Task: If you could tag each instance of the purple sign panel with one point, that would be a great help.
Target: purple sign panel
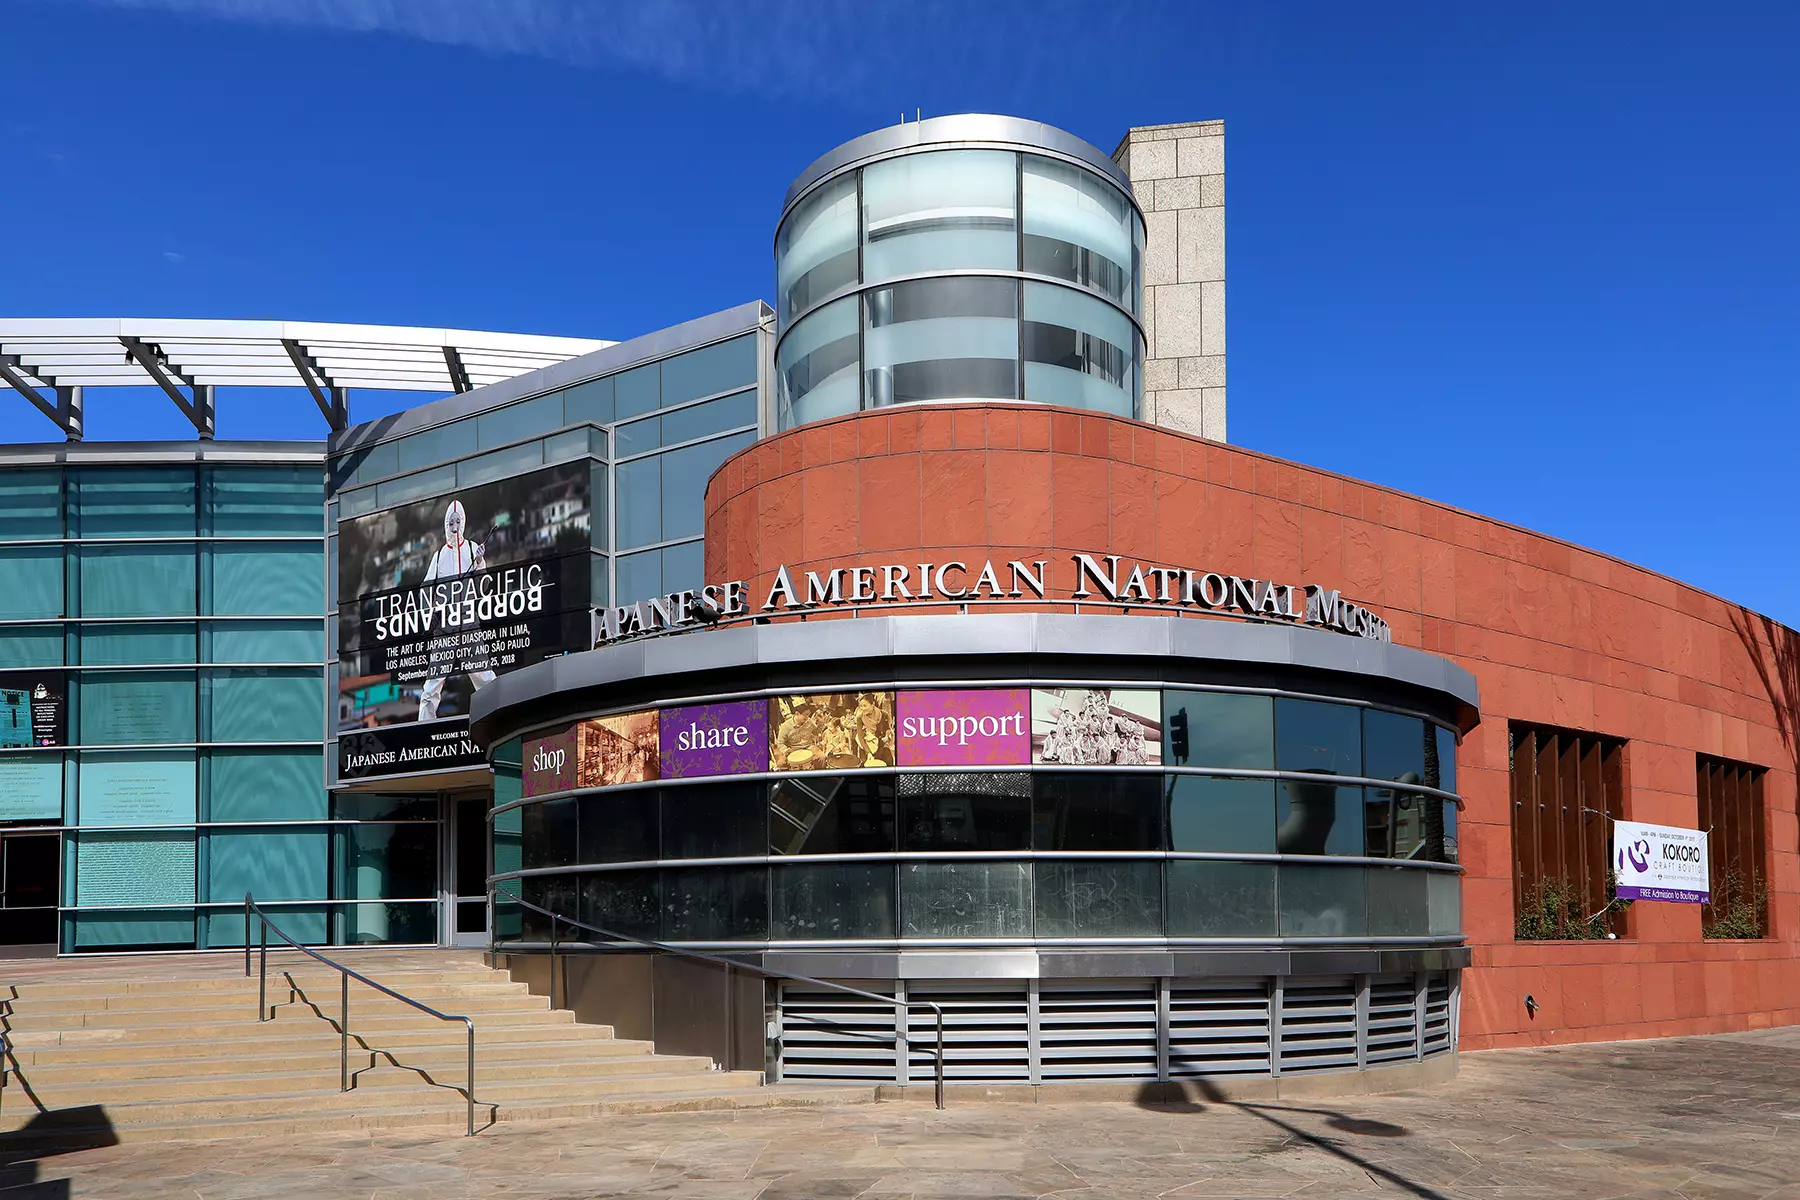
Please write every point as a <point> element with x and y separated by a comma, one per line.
<point>978,727</point>
<point>550,763</point>
<point>715,739</point>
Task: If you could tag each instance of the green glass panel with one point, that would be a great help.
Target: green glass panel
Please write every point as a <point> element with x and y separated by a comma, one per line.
<point>271,705</point>
<point>591,401</point>
<point>31,787</point>
<point>267,641</point>
<point>638,390</point>
<point>709,370</point>
<point>385,862</point>
<point>31,579</point>
<point>137,581</point>
<point>273,864</point>
<point>265,785</point>
<point>272,579</point>
<point>1219,729</point>
<point>132,708</point>
<point>144,787</point>
<point>30,505</point>
<point>27,646</point>
<point>1209,898</point>
<point>130,645</point>
<point>308,924</point>
<point>266,500</point>
<point>135,931</point>
<point>149,867</point>
<point>133,502</point>
<point>528,418</point>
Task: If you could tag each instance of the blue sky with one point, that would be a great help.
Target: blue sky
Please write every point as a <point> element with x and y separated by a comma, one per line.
<point>1541,261</point>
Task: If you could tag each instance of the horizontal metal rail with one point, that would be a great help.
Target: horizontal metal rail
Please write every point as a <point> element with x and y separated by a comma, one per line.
<point>556,918</point>
<point>251,908</point>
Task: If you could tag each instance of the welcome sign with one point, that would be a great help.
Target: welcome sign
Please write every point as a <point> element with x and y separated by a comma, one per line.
<point>1661,862</point>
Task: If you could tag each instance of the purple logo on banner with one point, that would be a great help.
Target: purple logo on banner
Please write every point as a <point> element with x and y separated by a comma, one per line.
<point>990,726</point>
<point>715,739</point>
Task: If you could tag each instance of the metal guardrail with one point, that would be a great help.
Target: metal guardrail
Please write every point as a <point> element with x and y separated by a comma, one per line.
<point>557,918</point>
<point>262,997</point>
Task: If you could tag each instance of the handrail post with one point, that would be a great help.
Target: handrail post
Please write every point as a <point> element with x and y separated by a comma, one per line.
<point>471,1093</point>
<point>262,974</point>
<point>553,1003</point>
<point>246,935</point>
<point>940,1054</point>
<point>344,1035</point>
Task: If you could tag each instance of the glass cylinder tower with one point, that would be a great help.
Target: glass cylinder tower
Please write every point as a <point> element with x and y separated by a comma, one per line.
<point>959,258</point>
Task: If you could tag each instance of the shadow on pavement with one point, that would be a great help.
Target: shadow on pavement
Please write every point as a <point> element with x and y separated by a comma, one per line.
<point>1177,1097</point>
<point>50,1133</point>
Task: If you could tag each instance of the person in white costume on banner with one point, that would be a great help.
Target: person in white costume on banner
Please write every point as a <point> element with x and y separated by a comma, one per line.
<point>457,556</point>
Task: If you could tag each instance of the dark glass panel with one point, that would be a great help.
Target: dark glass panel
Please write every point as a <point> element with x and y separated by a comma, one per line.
<point>1095,810</point>
<point>1323,901</point>
<point>965,811</point>
<point>1395,747</point>
<point>1319,818</point>
<point>1223,729</point>
<point>825,901</point>
<point>715,904</point>
<point>1214,813</point>
<point>621,902</point>
<point>715,820</point>
<point>1104,898</point>
<point>965,899</point>
<point>1311,735</point>
<point>1398,902</point>
<point>1221,899</point>
<point>832,814</point>
<point>547,838</point>
<point>618,826</point>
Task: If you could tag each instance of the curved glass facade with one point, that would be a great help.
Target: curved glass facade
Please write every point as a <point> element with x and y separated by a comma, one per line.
<point>939,273</point>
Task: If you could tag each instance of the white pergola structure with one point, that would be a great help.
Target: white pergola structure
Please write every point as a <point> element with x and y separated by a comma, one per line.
<point>51,361</point>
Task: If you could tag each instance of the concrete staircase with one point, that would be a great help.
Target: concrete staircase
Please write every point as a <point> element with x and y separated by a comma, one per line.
<point>170,1047</point>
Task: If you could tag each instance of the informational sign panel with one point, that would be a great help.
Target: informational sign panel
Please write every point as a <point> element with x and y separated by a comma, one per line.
<point>32,709</point>
<point>437,597</point>
<point>138,788</point>
<point>973,727</point>
<point>715,739</point>
<point>408,749</point>
<point>31,787</point>
<point>1661,862</point>
<point>1096,726</point>
<point>831,731</point>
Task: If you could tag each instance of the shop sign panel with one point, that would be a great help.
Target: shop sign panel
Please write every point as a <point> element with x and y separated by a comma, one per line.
<point>831,731</point>
<point>32,712</point>
<point>550,764</point>
<point>1661,862</point>
<point>715,739</point>
<point>966,727</point>
<point>1096,726</point>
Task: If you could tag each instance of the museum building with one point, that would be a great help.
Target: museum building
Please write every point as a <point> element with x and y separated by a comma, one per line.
<point>921,633</point>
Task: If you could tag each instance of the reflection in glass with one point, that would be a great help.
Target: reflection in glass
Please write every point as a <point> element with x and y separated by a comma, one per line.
<point>715,904</point>
<point>1313,735</point>
<point>1221,899</point>
<point>1319,818</point>
<point>965,811</point>
<point>815,367</point>
<point>832,814</point>
<point>618,826</point>
<point>825,901</point>
<point>1096,811</point>
<point>1086,898</point>
<point>1395,746</point>
<point>942,339</point>
<point>1222,729</point>
<point>965,899</point>
<point>1213,813</point>
<point>1445,760</point>
<point>1397,901</point>
<point>1323,901</point>
<point>815,252</point>
<point>1078,351</point>
<point>939,211</point>
<point>627,902</point>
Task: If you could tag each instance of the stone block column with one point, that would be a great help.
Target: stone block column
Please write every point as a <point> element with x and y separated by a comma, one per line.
<point>1178,173</point>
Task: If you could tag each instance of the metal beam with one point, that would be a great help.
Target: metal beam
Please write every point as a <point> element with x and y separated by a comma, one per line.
<point>199,409</point>
<point>459,378</point>
<point>333,401</point>
<point>66,411</point>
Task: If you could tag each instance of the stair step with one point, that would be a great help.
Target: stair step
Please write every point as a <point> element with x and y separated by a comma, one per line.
<point>381,1024</point>
<point>73,1064</point>
<point>124,1044</point>
<point>31,1016</point>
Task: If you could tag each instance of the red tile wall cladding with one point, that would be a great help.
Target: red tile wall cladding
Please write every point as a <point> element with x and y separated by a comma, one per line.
<point>1555,634</point>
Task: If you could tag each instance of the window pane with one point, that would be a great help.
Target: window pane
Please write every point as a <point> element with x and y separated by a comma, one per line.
<point>266,500</point>
<point>31,787</point>
<point>591,401</point>
<point>143,867</point>
<point>938,211</point>
<point>547,834</point>
<point>137,581</point>
<point>942,339</point>
<point>1443,896</point>
<point>351,806</point>
<point>412,487</point>
<point>1394,746</point>
<point>715,904</point>
<point>709,370</point>
<point>627,902</point>
<point>715,416</point>
<point>1208,813</point>
<point>264,705</point>
<point>27,646</point>
<point>638,437</point>
<point>373,462</point>
<point>572,443</point>
<point>265,785</point>
<point>383,862</point>
<point>31,579</point>
<point>30,505</point>
<point>616,827</point>
<point>965,811</point>
<point>1397,902</point>
<point>820,901</point>
<point>1221,899</point>
<point>511,461</point>
<point>1098,899</point>
<point>683,566</point>
<point>1079,351</point>
<point>1446,759</point>
<point>124,645</point>
<point>1314,736</point>
<point>965,899</point>
<point>274,864</point>
<point>816,366</point>
<point>1078,228</point>
<point>638,390</point>
<point>832,814</point>
<point>1224,729</point>
<point>715,820</point>
<point>640,502</point>
<point>430,447</point>
<point>129,708</point>
<point>272,579</point>
<point>145,787</point>
<point>640,576</point>
<point>355,504</point>
<point>172,930</point>
<point>267,641</point>
<point>1319,818</point>
<point>815,252</point>
<point>133,502</point>
<point>1323,901</point>
<point>1096,811</point>
<point>684,477</point>
<point>539,415</point>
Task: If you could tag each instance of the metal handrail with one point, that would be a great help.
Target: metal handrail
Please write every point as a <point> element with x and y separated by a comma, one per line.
<point>729,964</point>
<point>262,996</point>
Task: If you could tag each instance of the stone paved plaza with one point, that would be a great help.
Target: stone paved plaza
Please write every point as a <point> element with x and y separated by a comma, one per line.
<point>1700,1118</point>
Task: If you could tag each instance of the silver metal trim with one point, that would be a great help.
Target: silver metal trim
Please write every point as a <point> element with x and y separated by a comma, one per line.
<point>901,856</point>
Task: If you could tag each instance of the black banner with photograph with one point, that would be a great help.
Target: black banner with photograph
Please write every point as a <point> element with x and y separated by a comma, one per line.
<point>33,709</point>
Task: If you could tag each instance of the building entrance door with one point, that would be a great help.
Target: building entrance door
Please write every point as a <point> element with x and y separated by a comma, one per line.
<point>28,893</point>
<point>466,859</point>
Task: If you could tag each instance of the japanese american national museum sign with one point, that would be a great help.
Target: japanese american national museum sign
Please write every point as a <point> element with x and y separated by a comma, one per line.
<point>1661,862</point>
<point>1103,580</point>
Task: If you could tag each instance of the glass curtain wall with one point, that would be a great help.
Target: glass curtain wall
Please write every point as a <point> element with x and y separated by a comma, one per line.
<point>918,278</point>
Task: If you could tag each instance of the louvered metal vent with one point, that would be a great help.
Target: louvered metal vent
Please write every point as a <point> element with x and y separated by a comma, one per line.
<point>987,1036</point>
<point>1393,1018</point>
<point>1318,1025</point>
<point>1218,1027</point>
<point>831,1035</point>
<point>1437,1013</point>
<point>1097,1030</point>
